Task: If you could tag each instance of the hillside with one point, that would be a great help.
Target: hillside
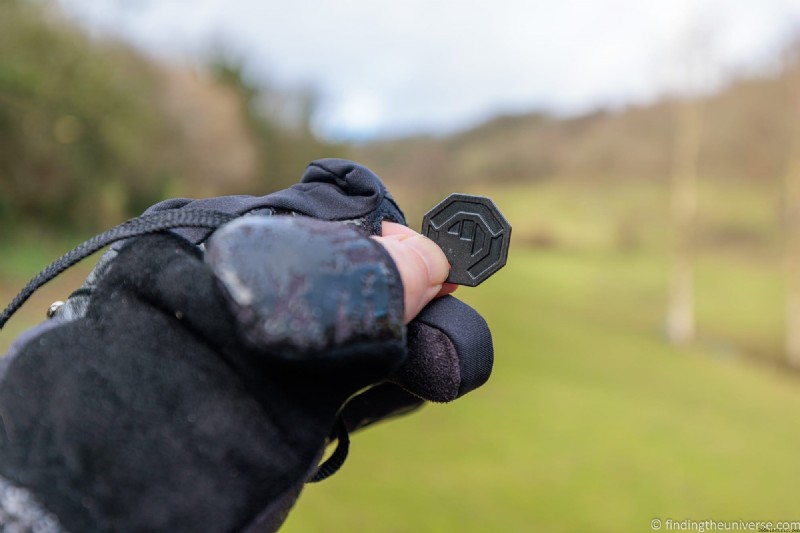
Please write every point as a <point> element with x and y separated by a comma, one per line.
<point>748,128</point>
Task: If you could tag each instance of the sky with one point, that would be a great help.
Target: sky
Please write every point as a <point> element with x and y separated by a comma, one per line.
<point>390,68</point>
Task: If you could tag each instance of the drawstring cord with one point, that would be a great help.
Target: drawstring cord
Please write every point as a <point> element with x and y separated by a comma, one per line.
<point>135,227</point>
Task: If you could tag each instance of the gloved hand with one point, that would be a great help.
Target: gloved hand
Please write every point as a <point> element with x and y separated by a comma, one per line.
<point>194,389</point>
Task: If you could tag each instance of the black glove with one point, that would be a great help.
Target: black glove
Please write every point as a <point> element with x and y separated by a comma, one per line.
<point>184,389</point>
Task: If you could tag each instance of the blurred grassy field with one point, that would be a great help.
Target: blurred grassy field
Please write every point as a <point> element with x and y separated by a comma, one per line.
<point>591,422</point>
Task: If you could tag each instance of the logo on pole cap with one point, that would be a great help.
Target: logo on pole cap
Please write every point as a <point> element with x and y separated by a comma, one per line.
<point>473,234</point>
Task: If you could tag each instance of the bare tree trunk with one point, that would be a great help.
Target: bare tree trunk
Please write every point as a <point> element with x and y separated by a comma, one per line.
<point>792,262</point>
<point>791,207</point>
<point>680,324</point>
<point>791,249</point>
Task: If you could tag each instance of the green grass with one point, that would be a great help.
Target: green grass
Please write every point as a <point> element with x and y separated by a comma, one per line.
<point>21,257</point>
<point>590,422</point>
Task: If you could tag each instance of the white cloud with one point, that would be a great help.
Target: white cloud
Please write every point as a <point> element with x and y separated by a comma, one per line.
<point>387,67</point>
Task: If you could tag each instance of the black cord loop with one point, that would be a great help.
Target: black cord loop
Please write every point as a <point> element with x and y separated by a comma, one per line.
<point>135,227</point>
<point>333,463</point>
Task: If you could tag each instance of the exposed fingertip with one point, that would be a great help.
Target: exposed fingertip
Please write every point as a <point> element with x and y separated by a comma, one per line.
<point>393,228</point>
<point>446,288</point>
<point>437,265</point>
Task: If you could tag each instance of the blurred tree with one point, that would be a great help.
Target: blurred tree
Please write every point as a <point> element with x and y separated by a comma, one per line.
<point>791,205</point>
<point>78,138</point>
<point>210,144</point>
<point>680,307</point>
<point>92,132</point>
<point>695,59</point>
<point>280,123</point>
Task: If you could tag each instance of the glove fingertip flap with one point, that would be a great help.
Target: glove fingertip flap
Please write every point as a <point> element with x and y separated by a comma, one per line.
<point>450,351</point>
<point>357,186</point>
<point>323,305</point>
